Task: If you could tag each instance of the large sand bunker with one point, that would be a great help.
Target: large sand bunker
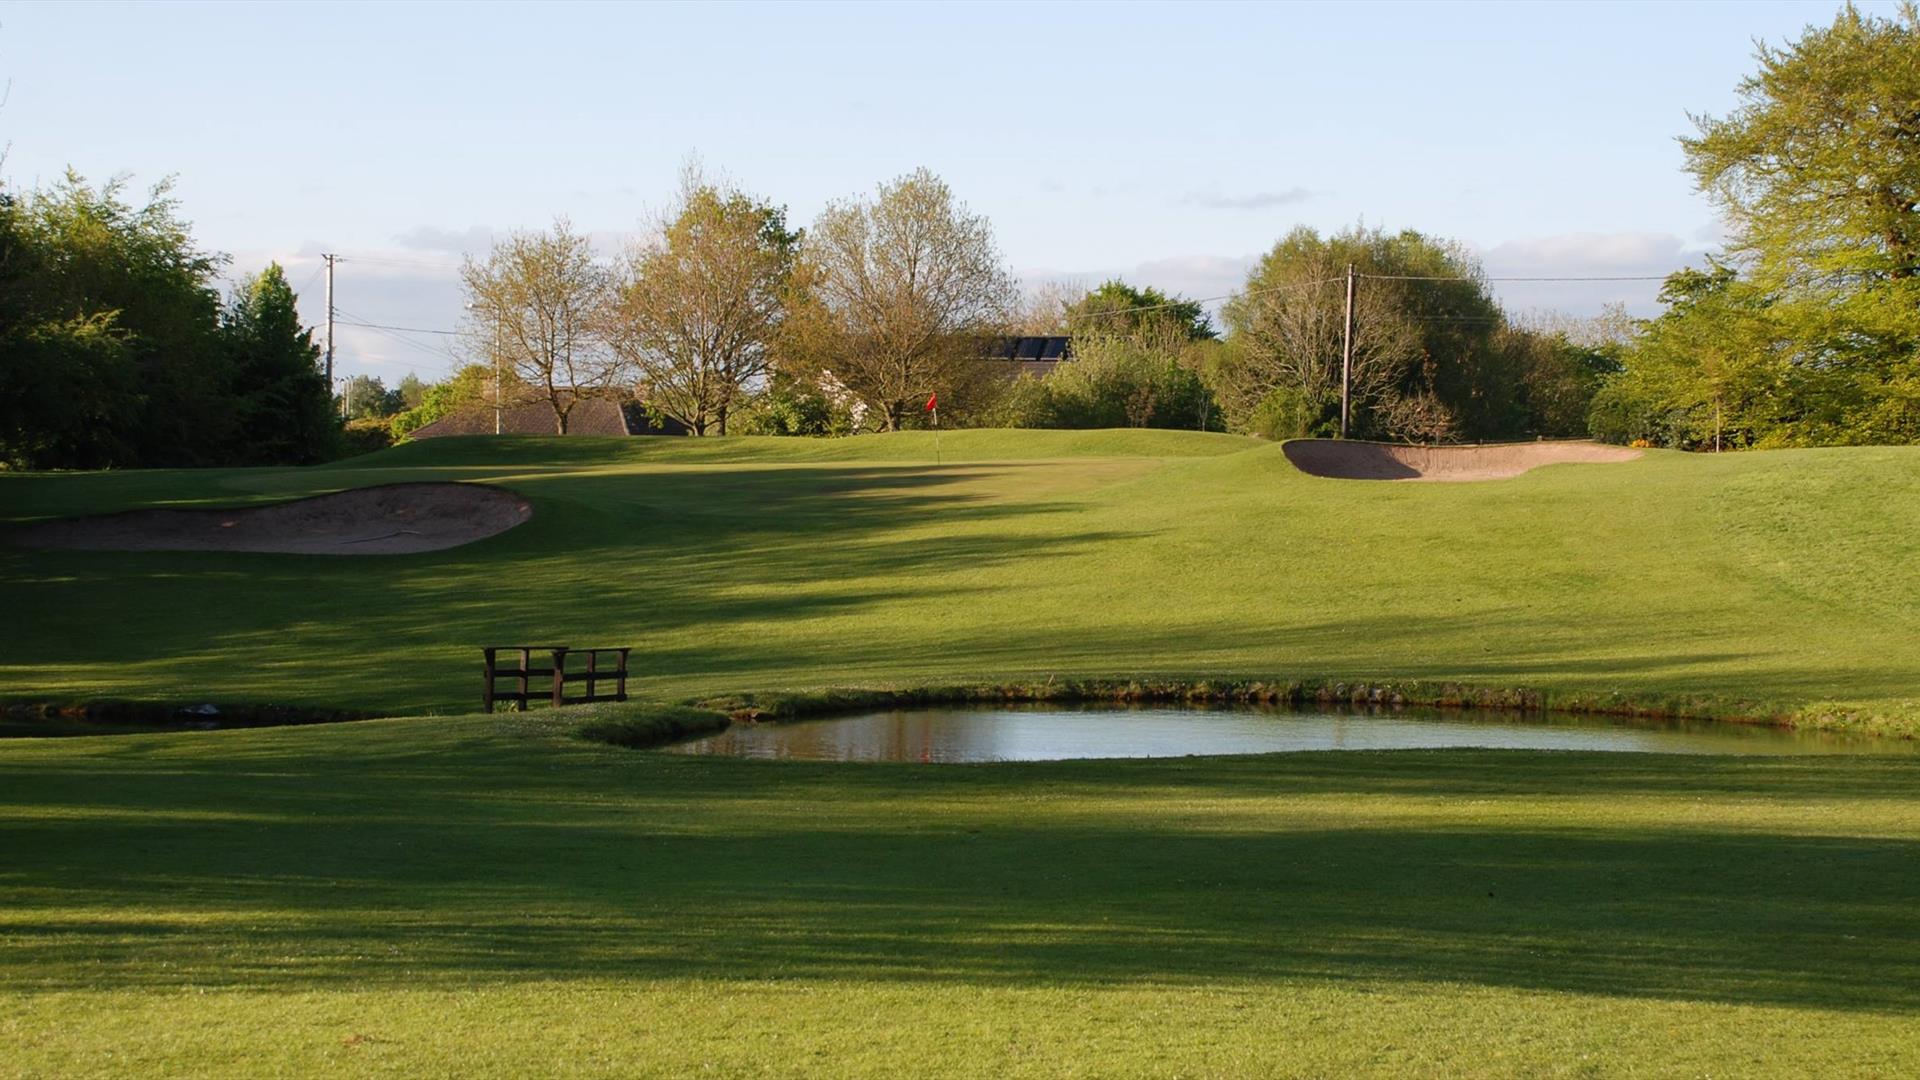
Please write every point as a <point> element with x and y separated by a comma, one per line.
<point>392,519</point>
<point>1344,460</point>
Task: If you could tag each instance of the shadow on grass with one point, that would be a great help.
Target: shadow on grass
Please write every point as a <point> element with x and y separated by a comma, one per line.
<point>1606,874</point>
<point>606,556</point>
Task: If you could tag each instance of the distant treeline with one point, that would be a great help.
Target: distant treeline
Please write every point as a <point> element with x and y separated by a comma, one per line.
<point>117,349</point>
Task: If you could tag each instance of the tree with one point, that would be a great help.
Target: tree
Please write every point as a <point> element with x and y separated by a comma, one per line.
<point>1818,170</point>
<point>1707,373</point>
<point>1112,381</point>
<point>1422,358</point>
<point>1042,310</point>
<point>1147,316</point>
<point>1558,375</point>
<point>106,268</point>
<point>67,386</point>
<point>472,387</point>
<point>905,291</point>
<point>412,391</point>
<point>542,301</point>
<point>280,393</point>
<point>704,301</point>
<point>369,399</point>
<point>1818,174</point>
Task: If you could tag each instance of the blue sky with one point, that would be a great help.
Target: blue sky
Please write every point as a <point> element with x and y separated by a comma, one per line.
<point>1169,144</point>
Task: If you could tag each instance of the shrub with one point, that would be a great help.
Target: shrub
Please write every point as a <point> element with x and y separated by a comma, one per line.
<point>1286,414</point>
<point>1111,382</point>
<point>365,435</point>
<point>790,410</point>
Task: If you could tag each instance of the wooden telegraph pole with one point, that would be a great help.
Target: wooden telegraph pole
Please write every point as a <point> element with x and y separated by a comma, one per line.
<point>343,393</point>
<point>1346,359</point>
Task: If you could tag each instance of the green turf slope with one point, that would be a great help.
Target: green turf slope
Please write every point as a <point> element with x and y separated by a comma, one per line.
<point>493,896</point>
<point>488,896</point>
<point>1785,578</point>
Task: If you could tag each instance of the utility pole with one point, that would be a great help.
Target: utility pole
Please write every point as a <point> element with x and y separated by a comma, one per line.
<point>329,259</point>
<point>1346,359</point>
<point>343,393</point>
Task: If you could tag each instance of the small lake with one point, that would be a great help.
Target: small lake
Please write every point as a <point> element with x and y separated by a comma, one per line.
<point>1055,733</point>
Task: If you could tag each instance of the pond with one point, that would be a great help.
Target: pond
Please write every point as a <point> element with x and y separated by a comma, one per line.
<point>1054,733</point>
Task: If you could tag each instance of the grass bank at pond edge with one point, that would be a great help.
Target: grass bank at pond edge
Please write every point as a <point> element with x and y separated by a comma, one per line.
<point>782,705</point>
<point>41,719</point>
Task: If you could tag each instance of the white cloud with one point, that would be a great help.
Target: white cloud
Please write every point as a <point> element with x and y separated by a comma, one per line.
<point>1646,255</point>
<point>1258,200</point>
<point>473,240</point>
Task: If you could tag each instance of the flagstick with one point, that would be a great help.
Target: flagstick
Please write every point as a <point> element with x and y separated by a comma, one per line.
<point>936,434</point>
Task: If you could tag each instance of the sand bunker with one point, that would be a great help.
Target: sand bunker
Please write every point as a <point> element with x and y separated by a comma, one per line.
<point>392,519</point>
<point>1345,460</point>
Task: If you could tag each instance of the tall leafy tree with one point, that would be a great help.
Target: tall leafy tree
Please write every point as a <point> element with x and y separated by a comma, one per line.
<point>1818,174</point>
<point>106,268</point>
<point>368,398</point>
<point>541,304</point>
<point>1147,316</point>
<point>281,394</point>
<point>904,288</point>
<point>412,391</point>
<point>1705,374</point>
<point>703,303</point>
<point>1423,365</point>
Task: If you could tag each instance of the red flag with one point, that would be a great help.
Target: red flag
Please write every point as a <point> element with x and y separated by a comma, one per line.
<point>933,402</point>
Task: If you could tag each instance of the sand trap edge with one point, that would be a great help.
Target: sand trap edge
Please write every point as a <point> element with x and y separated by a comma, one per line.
<point>1344,459</point>
<point>383,519</point>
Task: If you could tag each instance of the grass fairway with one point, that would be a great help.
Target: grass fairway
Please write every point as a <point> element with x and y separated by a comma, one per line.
<point>457,894</point>
<point>1785,578</point>
<point>491,896</point>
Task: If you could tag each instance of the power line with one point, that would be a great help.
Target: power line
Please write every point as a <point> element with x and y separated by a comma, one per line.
<point>1370,277</point>
<point>1205,299</point>
<point>402,329</point>
<point>430,264</point>
<point>1456,277</point>
<point>442,353</point>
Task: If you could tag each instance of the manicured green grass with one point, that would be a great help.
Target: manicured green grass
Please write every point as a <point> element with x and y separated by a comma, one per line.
<point>494,896</point>
<point>1784,579</point>
<point>472,895</point>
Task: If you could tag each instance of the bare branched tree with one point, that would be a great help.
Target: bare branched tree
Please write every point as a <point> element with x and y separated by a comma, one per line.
<point>905,289</point>
<point>539,305</point>
<point>1043,308</point>
<point>1290,336</point>
<point>1423,320</point>
<point>703,299</point>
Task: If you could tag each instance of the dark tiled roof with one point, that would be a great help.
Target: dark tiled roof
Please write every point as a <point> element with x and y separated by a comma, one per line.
<point>640,423</point>
<point>1050,348</point>
<point>594,416</point>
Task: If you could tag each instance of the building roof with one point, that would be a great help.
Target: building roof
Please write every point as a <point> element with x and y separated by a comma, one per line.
<point>1031,354</point>
<point>593,416</point>
<point>1049,348</point>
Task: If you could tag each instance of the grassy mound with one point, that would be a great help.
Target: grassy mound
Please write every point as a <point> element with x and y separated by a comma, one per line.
<point>1780,581</point>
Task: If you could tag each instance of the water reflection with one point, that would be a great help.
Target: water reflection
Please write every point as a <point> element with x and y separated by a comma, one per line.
<point>1051,733</point>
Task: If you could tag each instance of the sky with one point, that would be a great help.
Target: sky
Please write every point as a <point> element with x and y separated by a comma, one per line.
<point>1169,145</point>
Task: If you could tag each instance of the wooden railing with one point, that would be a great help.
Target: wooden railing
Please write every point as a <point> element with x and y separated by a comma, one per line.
<point>553,679</point>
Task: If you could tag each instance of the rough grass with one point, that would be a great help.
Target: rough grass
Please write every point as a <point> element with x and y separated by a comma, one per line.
<point>1765,582</point>
<point>493,896</point>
